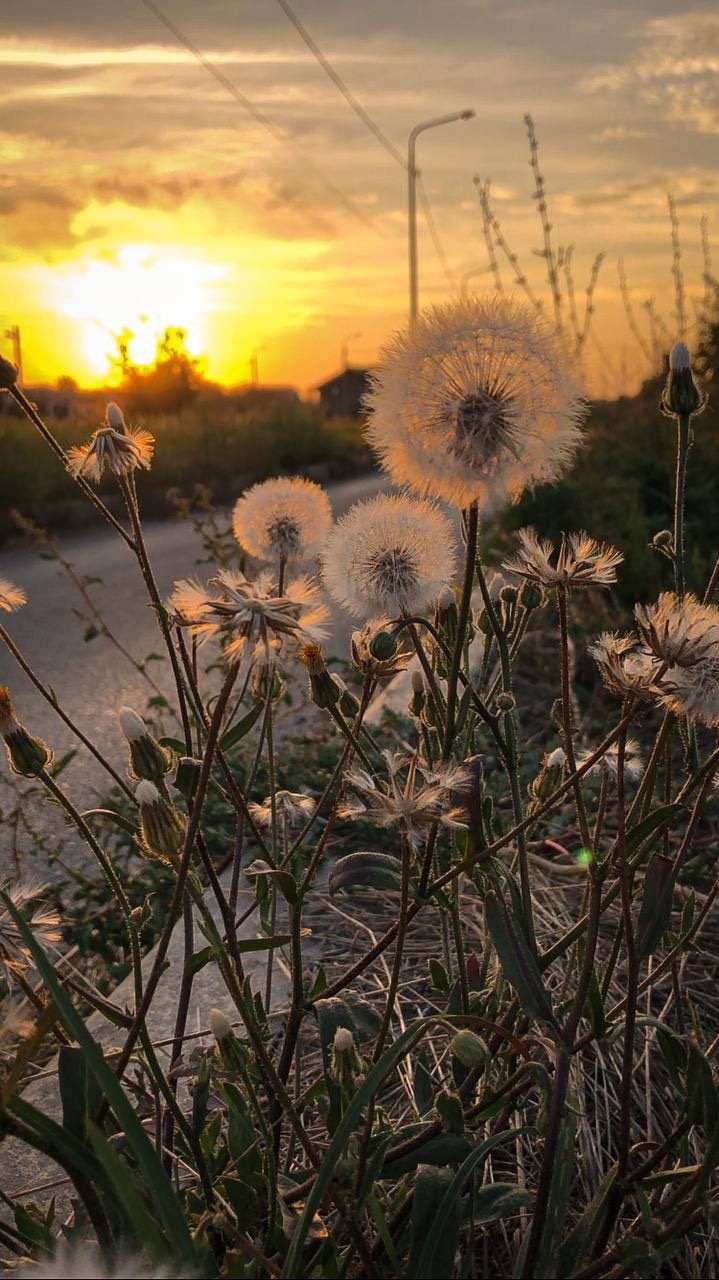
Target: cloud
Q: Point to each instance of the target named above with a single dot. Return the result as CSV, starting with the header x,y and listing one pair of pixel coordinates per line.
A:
x,y
619,133
673,69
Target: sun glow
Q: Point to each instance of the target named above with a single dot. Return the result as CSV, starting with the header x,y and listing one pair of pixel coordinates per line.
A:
x,y
140,290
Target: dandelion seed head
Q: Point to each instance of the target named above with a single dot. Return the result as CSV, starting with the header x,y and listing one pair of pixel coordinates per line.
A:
x,y
115,418
146,793
680,632
693,691
11,597
220,1024
390,555
626,666
579,562
286,517
132,725
120,448
475,402
679,357
609,762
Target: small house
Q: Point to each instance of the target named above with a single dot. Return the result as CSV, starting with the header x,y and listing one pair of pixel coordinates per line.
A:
x,y
342,395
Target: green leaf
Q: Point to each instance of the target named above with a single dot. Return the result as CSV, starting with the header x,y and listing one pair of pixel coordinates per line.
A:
x,y
156,1181
205,955
141,1223
446,1148
430,1191
241,729
702,1097
90,632
490,1202
109,815
79,1091
373,1080
175,744
423,1087
58,766
365,870
674,1052
559,1193
655,821
579,1244
438,974
656,909
518,963
285,882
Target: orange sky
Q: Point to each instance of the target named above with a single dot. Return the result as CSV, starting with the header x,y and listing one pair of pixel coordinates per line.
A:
x,y
137,193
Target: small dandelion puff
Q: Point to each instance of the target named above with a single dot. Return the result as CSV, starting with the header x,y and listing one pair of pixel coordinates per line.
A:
x,y
413,795
286,518
11,597
609,762
115,445
626,667
389,555
475,402
693,691
292,808
680,632
247,614
580,561
87,1262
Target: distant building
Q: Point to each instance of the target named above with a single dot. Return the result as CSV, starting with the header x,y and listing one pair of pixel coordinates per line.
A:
x,y
264,396
50,402
341,396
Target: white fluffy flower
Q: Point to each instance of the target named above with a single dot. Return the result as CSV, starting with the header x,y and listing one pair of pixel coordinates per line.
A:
x,y
693,691
475,402
608,763
282,518
627,667
389,555
680,632
580,561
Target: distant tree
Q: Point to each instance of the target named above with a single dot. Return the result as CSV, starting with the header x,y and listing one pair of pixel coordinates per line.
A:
x,y
168,384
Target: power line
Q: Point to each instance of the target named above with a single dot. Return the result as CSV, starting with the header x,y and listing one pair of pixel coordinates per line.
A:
x,y
280,135
374,129
339,83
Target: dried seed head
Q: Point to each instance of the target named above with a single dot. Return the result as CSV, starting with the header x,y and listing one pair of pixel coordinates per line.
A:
x,y
344,1041
115,418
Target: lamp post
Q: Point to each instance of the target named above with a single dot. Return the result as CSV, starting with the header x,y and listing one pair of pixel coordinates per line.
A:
x,y
343,349
412,172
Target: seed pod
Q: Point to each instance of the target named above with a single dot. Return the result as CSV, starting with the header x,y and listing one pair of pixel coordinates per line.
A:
x,y
162,827
27,754
149,760
470,1048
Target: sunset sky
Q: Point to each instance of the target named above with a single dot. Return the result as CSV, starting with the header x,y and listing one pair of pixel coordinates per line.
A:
x,y
136,192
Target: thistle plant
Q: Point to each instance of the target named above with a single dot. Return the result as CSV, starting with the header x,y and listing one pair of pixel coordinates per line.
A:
x,y
480,1038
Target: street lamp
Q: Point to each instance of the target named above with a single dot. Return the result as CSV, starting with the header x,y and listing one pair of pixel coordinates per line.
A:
x,y
469,275
412,173
343,349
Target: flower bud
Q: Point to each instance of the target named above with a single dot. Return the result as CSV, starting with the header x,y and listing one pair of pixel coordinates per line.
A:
x,y
550,775
383,645
324,691
148,759
681,396
187,776
349,703
220,1025
531,596
505,703
470,1049
162,827
508,595
344,1041
27,754
115,418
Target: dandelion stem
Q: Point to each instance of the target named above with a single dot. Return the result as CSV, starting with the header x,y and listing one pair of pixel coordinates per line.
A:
x,y
679,504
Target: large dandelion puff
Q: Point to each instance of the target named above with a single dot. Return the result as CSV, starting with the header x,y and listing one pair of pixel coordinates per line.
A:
x,y
389,555
475,403
282,519
580,561
248,615
115,445
11,597
693,691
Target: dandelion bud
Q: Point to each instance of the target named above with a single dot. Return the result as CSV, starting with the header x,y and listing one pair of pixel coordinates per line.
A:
x,y
681,396
136,915
8,374
187,776
349,703
505,703
550,775
383,645
344,1041
417,681
162,827
447,599
508,595
531,596
220,1025
324,691
470,1049
27,754
115,418
148,759
484,624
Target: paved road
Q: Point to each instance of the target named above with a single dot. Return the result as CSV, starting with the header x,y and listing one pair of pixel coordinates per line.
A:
x,y
92,678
